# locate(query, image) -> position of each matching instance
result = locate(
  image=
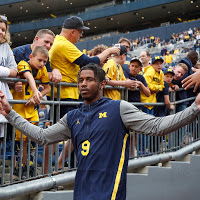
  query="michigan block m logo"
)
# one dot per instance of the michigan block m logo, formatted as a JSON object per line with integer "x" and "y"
{"x": 103, "y": 115}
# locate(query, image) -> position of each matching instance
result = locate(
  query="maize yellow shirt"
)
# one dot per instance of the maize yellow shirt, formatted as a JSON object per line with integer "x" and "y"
{"x": 61, "y": 56}
{"x": 168, "y": 58}
{"x": 113, "y": 71}
{"x": 28, "y": 111}
{"x": 155, "y": 82}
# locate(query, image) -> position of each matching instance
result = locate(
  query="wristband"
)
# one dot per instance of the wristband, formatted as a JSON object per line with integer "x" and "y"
{"x": 4, "y": 71}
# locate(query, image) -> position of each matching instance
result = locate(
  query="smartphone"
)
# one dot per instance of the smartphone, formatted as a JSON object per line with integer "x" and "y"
{"x": 117, "y": 45}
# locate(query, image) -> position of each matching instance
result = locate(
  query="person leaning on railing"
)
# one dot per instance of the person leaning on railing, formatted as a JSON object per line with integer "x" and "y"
{"x": 8, "y": 66}
{"x": 45, "y": 38}
{"x": 32, "y": 70}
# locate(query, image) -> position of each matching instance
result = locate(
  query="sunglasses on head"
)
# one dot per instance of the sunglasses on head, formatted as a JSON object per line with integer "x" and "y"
{"x": 4, "y": 18}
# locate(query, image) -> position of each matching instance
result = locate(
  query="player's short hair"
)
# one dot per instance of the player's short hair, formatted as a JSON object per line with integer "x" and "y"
{"x": 184, "y": 66}
{"x": 124, "y": 40}
{"x": 43, "y": 32}
{"x": 40, "y": 49}
{"x": 99, "y": 73}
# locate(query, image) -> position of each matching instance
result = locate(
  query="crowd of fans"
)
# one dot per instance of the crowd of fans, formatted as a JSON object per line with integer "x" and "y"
{"x": 149, "y": 78}
{"x": 191, "y": 36}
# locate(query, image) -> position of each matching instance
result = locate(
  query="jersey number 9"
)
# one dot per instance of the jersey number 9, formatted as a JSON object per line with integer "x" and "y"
{"x": 85, "y": 147}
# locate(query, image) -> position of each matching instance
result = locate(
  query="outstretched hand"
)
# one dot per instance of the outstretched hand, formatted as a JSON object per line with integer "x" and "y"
{"x": 192, "y": 80}
{"x": 5, "y": 107}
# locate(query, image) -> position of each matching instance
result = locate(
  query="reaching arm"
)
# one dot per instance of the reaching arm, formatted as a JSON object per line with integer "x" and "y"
{"x": 45, "y": 90}
{"x": 36, "y": 92}
{"x": 143, "y": 123}
{"x": 144, "y": 89}
{"x": 58, "y": 132}
{"x": 53, "y": 134}
{"x": 99, "y": 59}
{"x": 174, "y": 87}
{"x": 168, "y": 103}
{"x": 127, "y": 83}
{"x": 13, "y": 73}
{"x": 107, "y": 53}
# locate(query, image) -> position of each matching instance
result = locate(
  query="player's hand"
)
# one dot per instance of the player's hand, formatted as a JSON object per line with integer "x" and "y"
{"x": 55, "y": 76}
{"x": 18, "y": 86}
{"x": 5, "y": 107}
{"x": 192, "y": 80}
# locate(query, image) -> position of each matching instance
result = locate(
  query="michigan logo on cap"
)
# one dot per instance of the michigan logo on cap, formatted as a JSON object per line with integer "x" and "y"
{"x": 169, "y": 70}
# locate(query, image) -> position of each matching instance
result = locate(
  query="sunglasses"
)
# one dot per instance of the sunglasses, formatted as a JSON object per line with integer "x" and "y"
{"x": 80, "y": 31}
{"x": 4, "y": 18}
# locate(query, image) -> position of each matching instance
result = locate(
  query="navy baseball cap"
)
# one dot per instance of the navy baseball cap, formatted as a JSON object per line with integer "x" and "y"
{"x": 155, "y": 58}
{"x": 168, "y": 70}
{"x": 74, "y": 22}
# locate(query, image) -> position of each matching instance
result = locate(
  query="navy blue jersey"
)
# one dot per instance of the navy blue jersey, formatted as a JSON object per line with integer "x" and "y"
{"x": 23, "y": 52}
{"x": 134, "y": 96}
{"x": 125, "y": 67}
{"x": 97, "y": 130}
{"x": 160, "y": 111}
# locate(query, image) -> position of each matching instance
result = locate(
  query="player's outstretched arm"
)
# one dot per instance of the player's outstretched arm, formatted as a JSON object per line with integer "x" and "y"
{"x": 192, "y": 80}
{"x": 55, "y": 133}
{"x": 143, "y": 123}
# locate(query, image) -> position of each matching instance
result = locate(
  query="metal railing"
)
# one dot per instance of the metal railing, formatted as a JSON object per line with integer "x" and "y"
{"x": 141, "y": 146}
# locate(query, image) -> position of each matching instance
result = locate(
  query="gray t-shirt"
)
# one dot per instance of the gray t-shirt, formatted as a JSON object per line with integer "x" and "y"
{"x": 6, "y": 60}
